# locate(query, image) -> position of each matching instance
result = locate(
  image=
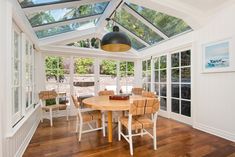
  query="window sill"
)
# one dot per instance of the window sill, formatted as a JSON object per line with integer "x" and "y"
{"x": 22, "y": 122}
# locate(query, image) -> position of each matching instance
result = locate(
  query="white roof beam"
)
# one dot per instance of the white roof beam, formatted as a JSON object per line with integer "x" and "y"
{"x": 66, "y": 36}
{"x": 47, "y": 26}
{"x": 72, "y": 4}
{"x": 131, "y": 34}
{"x": 144, "y": 21}
{"x": 110, "y": 8}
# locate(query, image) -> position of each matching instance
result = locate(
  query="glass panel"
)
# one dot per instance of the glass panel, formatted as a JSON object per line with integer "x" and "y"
{"x": 135, "y": 26}
{"x": 169, "y": 25}
{"x": 186, "y": 91}
{"x": 156, "y": 89}
{"x": 149, "y": 64}
{"x": 175, "y": 90}
{"x": 175, "y": 75}
{"x": 186, "y": 108}
{"x": 175, "y": 106}
{"x": 108, "y": 73}
{"x": 32, "y": 3}
{"x": 16, "y": 93}
{"x": 51, "y": 76}
{"x": 66, "y": 28}
{"x": 88, "y": 43}
{"x": 65, "y": 14}
{"x": 163, "y": 104}
{"x": 185, "y": 58}
{"x": 175, "y": 60}
{"x": 156, "y": 63}
{"x": 163, "y": 75}
{"x": 149, "y": 76}
{"x": 156, "y": 76}
{"x": 143, "y": 65}
{"x": 163, "y": 90}
{"x": 185, "y": 75}
{"x": 135, "y": 43}
{"x": 163, "y": 62}
{"x": 123, "y": 66}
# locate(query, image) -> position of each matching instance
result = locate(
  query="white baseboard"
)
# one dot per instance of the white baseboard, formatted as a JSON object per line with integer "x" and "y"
{"x": 25, "y": 143}
{"x": 214, "y": 131}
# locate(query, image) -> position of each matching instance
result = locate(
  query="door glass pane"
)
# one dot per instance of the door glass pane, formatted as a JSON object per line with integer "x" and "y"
{"x": 156, "y": 88}
{"x": 163, "y": 103}
{"x": 175, "y": 75}
{"x": 175, "y": 60}
{"x": 149, "y": 64}
{"x": 175, "y": 90}
{"x": 186, "y": 108}
{"x": 83, "y": 80}
{"x": 185, "y": 58}
{"x": 163, "y": 75}
{"x": 185, "y": 75}
{"x": 186, "y": 91}
{"x": 144, "y": 66}
{"x": 16, "y": 94}
{"x": 156, "y": 63}
{"x": 163, "y": 90}
{"x": 108, "y": 75}
{"x": 156, "y": 76}
{"x": 163, "y": 62}
{"x": 175, "y": 106}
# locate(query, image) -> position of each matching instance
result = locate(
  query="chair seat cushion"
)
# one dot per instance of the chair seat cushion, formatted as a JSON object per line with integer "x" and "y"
{"x": 137, "y": 122}
{"x": 91, "y": 115}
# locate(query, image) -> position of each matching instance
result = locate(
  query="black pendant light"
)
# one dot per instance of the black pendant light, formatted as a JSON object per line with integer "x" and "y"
{"x": 115, "y": 41}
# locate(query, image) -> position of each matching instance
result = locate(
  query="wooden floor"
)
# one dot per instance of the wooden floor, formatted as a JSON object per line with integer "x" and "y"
{"x": 174, "y": 140}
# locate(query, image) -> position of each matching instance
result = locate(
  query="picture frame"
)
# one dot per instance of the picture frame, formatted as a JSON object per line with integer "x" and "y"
{"x": 218, "y": 57}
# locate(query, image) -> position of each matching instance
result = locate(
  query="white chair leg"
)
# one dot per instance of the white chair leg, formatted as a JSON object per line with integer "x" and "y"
{"x": 119, "y": 130}
{"x": 76, "y": 124}
{"x": 67, "y": 114}
{"x": 103, "y": 124}
{"x": 130, "y": 142}
{"x": 80, "y": 131}
{"x": 51, "y": 117}
{"x": 154, "y": 138}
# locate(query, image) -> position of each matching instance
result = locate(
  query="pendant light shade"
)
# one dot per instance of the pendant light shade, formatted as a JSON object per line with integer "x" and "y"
{"x": 115, "y": 41}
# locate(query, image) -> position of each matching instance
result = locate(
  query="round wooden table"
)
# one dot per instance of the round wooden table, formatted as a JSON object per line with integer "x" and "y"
{"x": 103, "y": 103}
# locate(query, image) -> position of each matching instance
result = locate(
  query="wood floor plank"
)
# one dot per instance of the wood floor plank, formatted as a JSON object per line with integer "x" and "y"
{"x": 174, "y": 140}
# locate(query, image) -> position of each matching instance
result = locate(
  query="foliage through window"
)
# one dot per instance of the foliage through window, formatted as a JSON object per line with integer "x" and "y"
{"x": 88, "y": 43}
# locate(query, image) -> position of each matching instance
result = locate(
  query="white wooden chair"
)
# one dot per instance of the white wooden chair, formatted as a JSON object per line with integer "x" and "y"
{"x": 86, "y": 116}
{"x": 138, "y": 120}
{"x": 45, "y": 96}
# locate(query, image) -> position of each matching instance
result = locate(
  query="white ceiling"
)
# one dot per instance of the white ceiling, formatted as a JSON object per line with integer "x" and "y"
{"x": 204, "y": 5}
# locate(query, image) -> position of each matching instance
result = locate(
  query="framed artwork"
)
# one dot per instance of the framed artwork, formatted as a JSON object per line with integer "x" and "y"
{"x": 217, "y": 57}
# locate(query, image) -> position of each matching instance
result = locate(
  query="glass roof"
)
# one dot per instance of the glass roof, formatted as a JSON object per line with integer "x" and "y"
{"x": 135, "y": 26}
{"x": 87, "y": 43}
{"x": 64, "y": 14}
{"x": 32, "y": 3}
{"x": 66, "y": 28}
{"x": 169, "y": 25}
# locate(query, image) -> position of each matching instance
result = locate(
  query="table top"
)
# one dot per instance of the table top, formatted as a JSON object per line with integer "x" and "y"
{"x": 103, "y": 103}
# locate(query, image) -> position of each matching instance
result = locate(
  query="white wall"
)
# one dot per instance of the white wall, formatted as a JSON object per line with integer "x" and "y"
{"x": 215, "y": 103}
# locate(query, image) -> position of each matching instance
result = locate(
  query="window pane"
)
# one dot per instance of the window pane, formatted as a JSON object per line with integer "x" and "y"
{"x": 175, "y": 60}
{"x": 144, "y": 65}
{"x": 51, "y": 76}
{"x": 163, "y": 62}
{"x": 163, "y": 75}
{"x": 156, "y": 76}
{"x": 149, "y": 64}
{"x": 16, "y": 95}
{"x": 135, "y": 43}
{"x": 149, "y": 76}
{"x": 185, "y": 75}
{"x": 31, "y": 3}
{"x": 156, "y": 88}
{"x": 156, "y": 63}
{"x": 66, "y": 28}
{"x": 175, "y": 75}
{"x": 65, "y": 14}
{"x": 186, "y": 108}
{"x": 186, "y": 91}
{"x": 163, "y": 103}
{"x": 175, "y": 90}
{"x": 169, "y": 25}
{"x": 175, "y": 106}
{"x": 135, "y": 26}
{"x": 163, "y": 90}
{"x": 185, "y": 58}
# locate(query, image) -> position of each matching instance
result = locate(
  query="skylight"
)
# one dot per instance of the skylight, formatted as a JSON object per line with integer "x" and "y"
{"x": 33, "y": 3}
{"x": 64, "y": 14}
